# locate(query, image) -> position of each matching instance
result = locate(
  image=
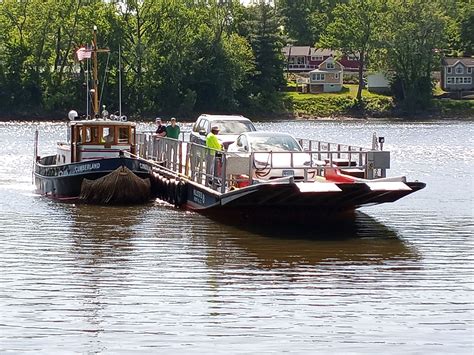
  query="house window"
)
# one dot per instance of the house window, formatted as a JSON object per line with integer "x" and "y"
{"x": 317, "y": 58}
{"x": 300, "y": 60}
{"x": 469, "y": 70}
{"x": 449, "y": 80}
{"x": 467, "y": 80}
{"x": 449, "y": 70}
{"x": 318, "y": 77}
{"x": 459, "y": 70}
{"x": 329, "y": 65}
{"x": 336, "y": 76}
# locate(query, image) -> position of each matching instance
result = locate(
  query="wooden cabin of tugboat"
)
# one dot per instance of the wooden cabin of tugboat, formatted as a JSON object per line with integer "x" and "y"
{"x": 97, "y": 139}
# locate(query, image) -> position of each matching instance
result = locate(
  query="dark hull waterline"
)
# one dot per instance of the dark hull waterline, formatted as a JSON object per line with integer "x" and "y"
{"x": 64, "y": 182}
{"x": 285, "y": 203}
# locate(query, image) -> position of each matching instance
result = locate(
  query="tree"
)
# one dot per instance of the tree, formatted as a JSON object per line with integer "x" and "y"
{"x": 459, "y": 26}
{"x": 267, "y": 43}
{"x": 467, "y": 32}
{"x": 354, "y": 31}
{"x": 306, "y": 20}
{"x": 413, "y": 31}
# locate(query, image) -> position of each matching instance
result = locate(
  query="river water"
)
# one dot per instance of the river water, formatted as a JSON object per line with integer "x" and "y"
{"x": 153, "y": 279}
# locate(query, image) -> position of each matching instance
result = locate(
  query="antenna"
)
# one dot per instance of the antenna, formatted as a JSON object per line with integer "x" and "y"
{"x": 120, "y": 81}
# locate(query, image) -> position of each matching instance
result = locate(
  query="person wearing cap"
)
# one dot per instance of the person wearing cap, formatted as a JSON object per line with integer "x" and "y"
{"x": 215, "y": 160}
{"x": 172, "y": 130}
{"x": 160, "y": 129}
{"x": 212, "y": 141}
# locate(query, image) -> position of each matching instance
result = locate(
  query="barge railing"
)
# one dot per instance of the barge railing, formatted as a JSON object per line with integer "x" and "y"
{"x": 221, "y": 171}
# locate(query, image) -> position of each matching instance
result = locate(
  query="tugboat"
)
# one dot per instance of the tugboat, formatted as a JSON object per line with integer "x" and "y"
{"x": 97, "y": 164}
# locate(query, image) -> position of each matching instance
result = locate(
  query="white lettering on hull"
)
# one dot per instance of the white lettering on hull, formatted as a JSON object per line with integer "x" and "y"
{"x": 199, "y": 197}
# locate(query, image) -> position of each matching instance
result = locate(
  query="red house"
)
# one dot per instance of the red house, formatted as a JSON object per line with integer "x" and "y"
{"x": 306, "y": 58}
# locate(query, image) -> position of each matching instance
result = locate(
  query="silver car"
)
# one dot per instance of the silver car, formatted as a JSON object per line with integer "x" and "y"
{"x": 275, "y": 155}
{"x": 230, "y": 126}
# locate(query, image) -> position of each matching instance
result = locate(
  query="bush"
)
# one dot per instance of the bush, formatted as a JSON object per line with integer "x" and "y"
{"x": 337, "y": 105}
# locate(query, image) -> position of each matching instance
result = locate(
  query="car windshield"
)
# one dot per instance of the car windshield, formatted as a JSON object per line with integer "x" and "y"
{"x": 274, "y": 144}
{"x": 234, "y": 127}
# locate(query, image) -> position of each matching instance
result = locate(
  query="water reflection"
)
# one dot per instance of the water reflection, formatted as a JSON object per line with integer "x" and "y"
{"x": 102, "y": 246}
{"x": 362, "y": 240}
{"x": 103, "y": 231}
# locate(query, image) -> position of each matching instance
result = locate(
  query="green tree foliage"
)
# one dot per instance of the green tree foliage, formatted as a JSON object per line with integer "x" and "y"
{"x": 467, "y": 31}
{"x": 177, "y": 56}
{"x": 413, "y": 31}
{"x": 354, "y": 31}
{"x": 306, "y": 20}
{"x": 267, "y": 43}
{"x": 459, "y": 27}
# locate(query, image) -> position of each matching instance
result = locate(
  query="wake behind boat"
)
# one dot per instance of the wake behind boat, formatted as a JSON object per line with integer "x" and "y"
{"x": 97, "y": 163}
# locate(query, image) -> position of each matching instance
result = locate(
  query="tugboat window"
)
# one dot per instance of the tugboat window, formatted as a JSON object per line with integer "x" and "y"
{"x": 123, "y": 135}
{"x": 92, "y": 134}
{"x": 107, "y": 135}
{"x": 78, "y": 138}
{"x": 88, "y": 135}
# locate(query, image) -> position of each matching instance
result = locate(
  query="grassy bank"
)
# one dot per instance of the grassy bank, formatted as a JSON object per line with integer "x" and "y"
{"x": 345, "y": 104}
{"x": 327, "y": 105}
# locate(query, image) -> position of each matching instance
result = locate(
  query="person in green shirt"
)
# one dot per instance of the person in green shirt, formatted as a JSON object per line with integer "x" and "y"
{"x": 212, "y": 141}
{"x": 172, "y": 130}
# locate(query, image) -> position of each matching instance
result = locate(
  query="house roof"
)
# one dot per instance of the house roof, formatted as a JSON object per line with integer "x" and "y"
{"x": 297, "y": 50}
{"x": 323, "y": 52}
{"x": 467, "y": 61}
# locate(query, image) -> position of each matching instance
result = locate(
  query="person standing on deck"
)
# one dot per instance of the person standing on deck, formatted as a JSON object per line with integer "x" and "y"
{"x": 172, "y": 130}
{"x": 212, "y": 141}
{"x": 161, "y": 128}
{"x": 214, "y": 160}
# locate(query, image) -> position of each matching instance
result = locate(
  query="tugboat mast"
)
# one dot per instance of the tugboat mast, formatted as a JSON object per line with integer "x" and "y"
{"x": 95, "y": 94}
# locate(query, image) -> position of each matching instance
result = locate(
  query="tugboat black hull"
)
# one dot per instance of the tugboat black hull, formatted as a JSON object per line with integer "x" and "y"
{"x": 65, "y": 181}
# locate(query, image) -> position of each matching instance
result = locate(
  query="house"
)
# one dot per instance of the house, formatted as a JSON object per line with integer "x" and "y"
{"x": 378, "y": 83}
{"x": 457, "y": 74}
{"x": 306, "y": 58}
{"x": 327, "y": 78}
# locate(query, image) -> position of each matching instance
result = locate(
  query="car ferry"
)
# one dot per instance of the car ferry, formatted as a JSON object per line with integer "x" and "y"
{"x": 313, "y": 180}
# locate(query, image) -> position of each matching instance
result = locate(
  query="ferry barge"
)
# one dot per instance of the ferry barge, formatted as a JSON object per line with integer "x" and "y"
{"x": 337, "y": 180}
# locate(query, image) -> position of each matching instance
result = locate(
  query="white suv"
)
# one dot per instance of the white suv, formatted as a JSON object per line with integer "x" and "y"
{"x": 230, "y": 126}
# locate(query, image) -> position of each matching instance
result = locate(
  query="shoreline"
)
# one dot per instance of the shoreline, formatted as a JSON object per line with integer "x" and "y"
{"x": 427, "y": 116}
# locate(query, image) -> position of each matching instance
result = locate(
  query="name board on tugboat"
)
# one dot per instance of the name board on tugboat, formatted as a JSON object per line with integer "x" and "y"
{"x": 78, "y": 169}
{"x": 86, "y": 167}
{"x": 199, "y": 197}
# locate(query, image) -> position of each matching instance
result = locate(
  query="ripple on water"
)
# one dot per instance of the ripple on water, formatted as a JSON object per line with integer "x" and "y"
{"x": 152, "y": 278}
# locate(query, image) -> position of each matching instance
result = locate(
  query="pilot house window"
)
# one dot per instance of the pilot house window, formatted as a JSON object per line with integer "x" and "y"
{"x": 123, "y": 135}
{"x": 92, "y": 134}
{"x": 107, "y": 135}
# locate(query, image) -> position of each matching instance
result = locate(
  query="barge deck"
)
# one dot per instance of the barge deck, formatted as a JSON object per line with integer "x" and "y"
{"x": 336, "y": 180}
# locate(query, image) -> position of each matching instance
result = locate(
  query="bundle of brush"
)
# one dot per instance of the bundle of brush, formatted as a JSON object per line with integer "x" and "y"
{"x": 121, "y": 186}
